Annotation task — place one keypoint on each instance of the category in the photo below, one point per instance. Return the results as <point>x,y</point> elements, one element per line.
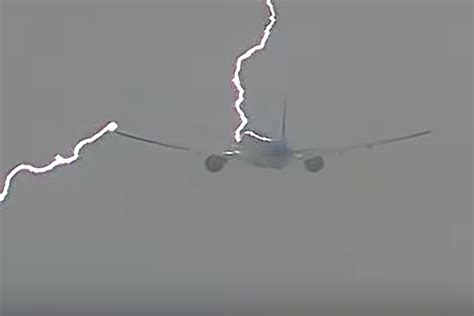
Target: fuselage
<point>274,154</point>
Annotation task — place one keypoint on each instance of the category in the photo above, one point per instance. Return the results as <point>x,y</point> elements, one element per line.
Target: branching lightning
<point>58,159</point>
<point>238,85</point>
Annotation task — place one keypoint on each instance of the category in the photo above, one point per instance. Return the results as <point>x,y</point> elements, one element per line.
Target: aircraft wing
<point>200,152</point>
<point>319,151</point>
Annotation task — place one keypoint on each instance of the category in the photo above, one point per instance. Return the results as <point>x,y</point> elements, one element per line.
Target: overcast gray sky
<point>134,227</point>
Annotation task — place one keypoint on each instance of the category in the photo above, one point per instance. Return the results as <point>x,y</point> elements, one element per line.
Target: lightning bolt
<point>58,159</point>
<point>236,79</point>
<point>112,126</point>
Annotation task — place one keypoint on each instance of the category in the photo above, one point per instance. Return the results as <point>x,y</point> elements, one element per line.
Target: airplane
<point>265,152</point>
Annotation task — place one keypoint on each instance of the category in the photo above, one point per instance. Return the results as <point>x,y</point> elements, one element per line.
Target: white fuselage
<point>274,154</point>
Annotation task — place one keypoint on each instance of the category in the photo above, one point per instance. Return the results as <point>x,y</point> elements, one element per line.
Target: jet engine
<point>314,164</point>
<point>215,163</point>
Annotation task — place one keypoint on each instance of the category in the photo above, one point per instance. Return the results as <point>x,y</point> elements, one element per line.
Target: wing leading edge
<point>150,141</point>
<point>227,153</point>
<point>311,152</point>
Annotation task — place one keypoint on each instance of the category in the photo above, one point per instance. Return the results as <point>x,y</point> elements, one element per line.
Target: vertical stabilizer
<point>283,121</point>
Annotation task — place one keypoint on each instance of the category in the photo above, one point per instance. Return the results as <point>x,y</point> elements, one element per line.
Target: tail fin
<point>283,120</point>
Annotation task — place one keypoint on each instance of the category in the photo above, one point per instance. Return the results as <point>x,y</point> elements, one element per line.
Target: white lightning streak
<point>58,159</point>
<point>236,80</point>
<point>112,126</point>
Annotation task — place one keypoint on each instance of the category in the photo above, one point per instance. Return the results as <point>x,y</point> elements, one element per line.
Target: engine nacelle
<point>314,164</point>
<point>215,163</point>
